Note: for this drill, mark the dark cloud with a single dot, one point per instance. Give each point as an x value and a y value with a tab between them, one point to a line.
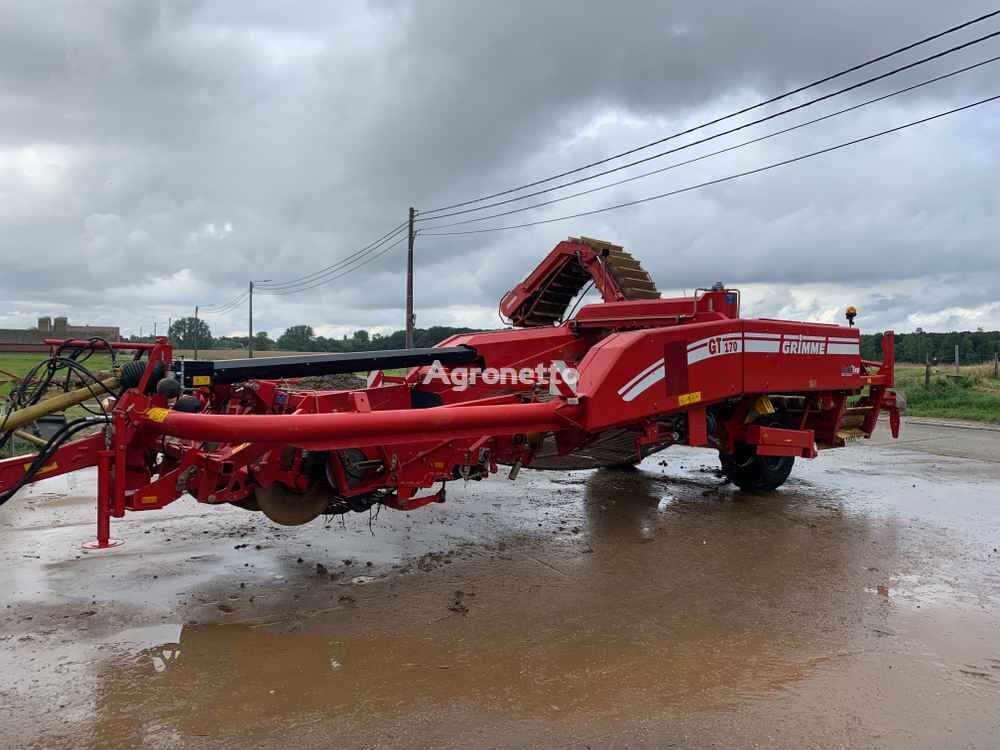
154	156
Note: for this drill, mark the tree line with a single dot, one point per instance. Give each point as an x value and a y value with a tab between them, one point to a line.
191	333
973	346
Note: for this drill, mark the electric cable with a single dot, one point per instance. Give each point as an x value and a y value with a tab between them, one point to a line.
717	120
223	309
346	272
308	278
721	180
697	158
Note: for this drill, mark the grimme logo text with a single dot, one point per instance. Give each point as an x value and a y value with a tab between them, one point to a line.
803	347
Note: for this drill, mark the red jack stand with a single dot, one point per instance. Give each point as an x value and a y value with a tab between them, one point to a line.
104	540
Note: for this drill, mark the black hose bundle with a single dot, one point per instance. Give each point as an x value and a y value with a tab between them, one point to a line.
67	359
65	432
43	376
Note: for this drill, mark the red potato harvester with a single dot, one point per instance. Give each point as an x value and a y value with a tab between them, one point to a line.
617	381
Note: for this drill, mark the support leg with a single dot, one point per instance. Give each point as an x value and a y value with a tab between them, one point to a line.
104	540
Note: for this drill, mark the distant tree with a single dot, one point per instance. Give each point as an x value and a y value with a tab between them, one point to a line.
261	342
189	333
360	337
297	339
230	342
974	346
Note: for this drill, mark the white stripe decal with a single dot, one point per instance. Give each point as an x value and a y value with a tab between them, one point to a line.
756	347
843	349
647	382
751	342
641	374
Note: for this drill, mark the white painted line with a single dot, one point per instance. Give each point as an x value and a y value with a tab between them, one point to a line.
642	373
646	383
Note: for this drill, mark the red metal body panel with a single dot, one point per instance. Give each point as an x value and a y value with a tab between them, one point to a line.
785	356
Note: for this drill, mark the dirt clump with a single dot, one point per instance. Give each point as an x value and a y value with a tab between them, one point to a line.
339	382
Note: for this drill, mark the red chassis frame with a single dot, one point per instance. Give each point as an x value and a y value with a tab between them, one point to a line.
651	373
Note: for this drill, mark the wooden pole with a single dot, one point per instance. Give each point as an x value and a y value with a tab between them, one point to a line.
410	320
956	359
250	340
927	372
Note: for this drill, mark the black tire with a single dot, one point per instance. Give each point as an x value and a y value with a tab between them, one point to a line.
753	473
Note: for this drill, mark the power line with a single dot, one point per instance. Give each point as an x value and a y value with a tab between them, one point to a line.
365	262
720	180
310	281
330	275
697	158
308	278
213	311
700	141
717	120
224	304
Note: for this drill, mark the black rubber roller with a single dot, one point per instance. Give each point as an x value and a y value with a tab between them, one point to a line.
132	374
169	388
188	403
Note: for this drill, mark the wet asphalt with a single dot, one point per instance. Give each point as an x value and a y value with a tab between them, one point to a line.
857	606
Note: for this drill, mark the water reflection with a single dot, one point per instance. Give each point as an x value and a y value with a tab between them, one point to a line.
711	597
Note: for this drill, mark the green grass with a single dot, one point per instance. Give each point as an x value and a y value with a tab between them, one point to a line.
19	363
974	394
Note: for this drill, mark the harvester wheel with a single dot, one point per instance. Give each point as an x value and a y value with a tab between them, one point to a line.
753	473
290	508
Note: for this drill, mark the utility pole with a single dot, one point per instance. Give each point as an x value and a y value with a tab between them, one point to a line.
956	359
154	329
170	324
196	331
410	320
250	340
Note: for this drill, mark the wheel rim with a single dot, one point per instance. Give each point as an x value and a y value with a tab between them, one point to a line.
289	508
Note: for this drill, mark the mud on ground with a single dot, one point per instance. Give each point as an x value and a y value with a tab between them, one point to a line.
858	606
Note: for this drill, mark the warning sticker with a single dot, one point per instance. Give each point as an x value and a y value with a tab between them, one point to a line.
45	469
201	380
157	414
689	398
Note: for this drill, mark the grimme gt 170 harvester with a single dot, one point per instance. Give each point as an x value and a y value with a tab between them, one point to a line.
606	386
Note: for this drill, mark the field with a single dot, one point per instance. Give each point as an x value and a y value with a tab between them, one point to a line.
973	394
19	363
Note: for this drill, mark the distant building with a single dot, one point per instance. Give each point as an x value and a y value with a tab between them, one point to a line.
33	339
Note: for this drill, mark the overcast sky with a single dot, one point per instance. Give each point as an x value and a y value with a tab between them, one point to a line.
155	156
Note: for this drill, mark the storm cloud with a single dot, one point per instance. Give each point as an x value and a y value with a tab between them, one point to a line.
154	157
